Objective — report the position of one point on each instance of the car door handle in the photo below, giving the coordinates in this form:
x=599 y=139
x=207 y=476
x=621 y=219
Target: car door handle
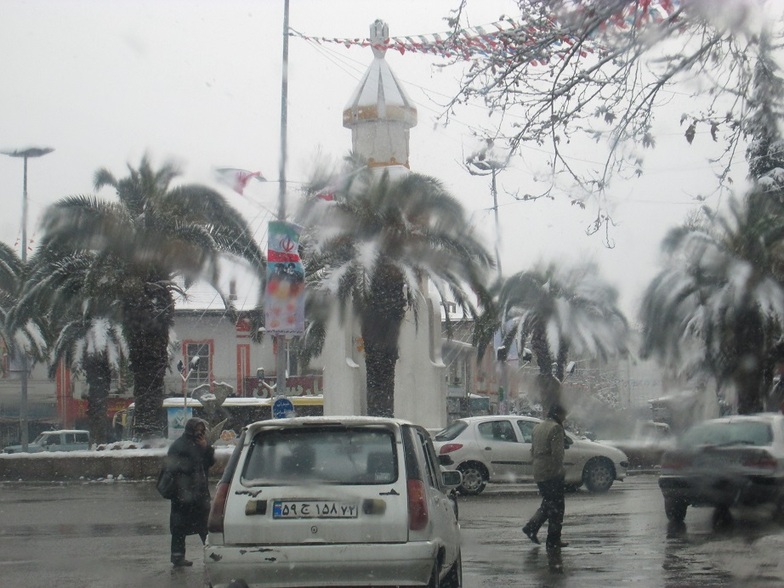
x=488 y=448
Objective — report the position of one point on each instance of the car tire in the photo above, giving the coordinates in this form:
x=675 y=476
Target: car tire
x=675 y=509
x=435 y=579
x=474 y=479
x=721 y=518
x=778 y=511
x=598 y=474
x=454 y=578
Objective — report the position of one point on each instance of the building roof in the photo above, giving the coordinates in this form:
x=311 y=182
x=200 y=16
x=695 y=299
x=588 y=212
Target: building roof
x=379 y=95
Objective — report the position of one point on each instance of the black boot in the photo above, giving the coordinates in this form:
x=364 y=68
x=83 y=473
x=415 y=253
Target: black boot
x=530 y=533
x=179 y=561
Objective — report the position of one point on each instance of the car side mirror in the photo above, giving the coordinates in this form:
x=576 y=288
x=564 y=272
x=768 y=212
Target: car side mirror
x=451 y=478
x=445 y=460
x=568 y=442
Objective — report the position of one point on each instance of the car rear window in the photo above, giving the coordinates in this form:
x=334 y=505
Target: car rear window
x=451 y=431
x=728 y=433
x=331 y=455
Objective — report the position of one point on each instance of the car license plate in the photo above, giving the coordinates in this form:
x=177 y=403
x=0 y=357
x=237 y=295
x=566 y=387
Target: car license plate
x=313 y=509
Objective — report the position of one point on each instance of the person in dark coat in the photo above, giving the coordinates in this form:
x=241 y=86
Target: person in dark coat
x=547 y=449
x=189 y=458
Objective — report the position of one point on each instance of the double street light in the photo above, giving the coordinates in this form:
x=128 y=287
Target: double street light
x=25 y=154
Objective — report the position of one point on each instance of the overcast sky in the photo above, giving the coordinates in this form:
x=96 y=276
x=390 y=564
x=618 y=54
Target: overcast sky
x=198 y=81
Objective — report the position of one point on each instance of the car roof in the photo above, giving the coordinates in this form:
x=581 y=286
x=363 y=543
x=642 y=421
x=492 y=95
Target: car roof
x=767 y=417
x=493 y=417
x=63 y=431
x=315 y=421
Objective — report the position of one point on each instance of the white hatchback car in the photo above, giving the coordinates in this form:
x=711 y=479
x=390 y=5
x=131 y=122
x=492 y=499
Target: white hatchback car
x=497 y=448
x=334 y=501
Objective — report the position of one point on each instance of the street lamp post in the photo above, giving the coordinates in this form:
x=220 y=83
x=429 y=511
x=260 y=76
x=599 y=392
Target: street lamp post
x=25 y=154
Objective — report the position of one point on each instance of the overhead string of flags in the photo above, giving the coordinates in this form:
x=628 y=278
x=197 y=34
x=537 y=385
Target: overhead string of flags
x=510 y=36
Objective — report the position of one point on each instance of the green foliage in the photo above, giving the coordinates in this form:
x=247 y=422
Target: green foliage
x=556 y=311
x=119 y=263
x=717 y=306
x=374 y=249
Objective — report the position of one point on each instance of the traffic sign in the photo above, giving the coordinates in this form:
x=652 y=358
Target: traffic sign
x=282 y=407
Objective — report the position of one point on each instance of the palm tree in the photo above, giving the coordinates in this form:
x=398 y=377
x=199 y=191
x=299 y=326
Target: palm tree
x=557 y=311
x=70 y=289
x=21 y=337
x=18 y=333
x=721 y=288
x=375 y=247
x=151 y=236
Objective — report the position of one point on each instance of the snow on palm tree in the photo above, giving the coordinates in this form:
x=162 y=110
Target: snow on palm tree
x=153 y=234
x=73 y=292
x=717 y=306
x=376 y=247
x=557 y=311
x=19 y=333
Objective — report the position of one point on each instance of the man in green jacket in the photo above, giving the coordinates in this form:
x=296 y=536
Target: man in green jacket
x=547 y=449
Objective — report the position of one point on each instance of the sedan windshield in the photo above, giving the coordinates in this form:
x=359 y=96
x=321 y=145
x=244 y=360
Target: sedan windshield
x=728 y=433
x=358 y=455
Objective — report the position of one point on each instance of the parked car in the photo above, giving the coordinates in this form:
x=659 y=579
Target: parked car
x=498 y=449
x=64 y=440
x=725 y=462
x=331 y=501
x=646 y=444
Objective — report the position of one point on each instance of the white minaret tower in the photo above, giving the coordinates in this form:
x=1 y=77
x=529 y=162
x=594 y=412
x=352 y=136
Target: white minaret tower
x=380 y=114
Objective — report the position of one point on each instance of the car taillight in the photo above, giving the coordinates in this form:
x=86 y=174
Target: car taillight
x=675 y=461
x=417 y=505
x=218 y=509
x=450 y=447
x=760 y=460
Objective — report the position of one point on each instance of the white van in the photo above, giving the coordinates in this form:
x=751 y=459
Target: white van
x=334 y=501
x=63 y=440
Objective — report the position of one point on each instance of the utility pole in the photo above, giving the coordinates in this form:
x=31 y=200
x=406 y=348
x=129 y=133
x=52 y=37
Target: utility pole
x=25 y=154
x=282 y=355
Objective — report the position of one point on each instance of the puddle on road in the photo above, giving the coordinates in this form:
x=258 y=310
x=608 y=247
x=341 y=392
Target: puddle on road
x=87 y=531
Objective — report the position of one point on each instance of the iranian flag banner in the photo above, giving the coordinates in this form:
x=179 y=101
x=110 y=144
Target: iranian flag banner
x=284 y=296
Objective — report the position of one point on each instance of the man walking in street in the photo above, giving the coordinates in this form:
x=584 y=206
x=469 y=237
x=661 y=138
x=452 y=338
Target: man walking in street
x=189 y=458
x=547 y=449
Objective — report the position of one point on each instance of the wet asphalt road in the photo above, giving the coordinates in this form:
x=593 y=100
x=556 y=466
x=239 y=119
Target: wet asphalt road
x=115 y=534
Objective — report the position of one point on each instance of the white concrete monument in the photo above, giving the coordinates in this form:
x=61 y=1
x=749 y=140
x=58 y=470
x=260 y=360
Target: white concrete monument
x=380 y=114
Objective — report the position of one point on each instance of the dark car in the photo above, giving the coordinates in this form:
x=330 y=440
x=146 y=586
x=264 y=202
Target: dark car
x=725 y=462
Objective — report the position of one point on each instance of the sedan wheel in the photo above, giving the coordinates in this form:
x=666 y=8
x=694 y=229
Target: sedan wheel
x=473 y=479
x=675 y=509
x=598 y=475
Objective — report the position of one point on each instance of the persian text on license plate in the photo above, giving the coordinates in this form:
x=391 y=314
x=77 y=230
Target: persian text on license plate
x=313 y=509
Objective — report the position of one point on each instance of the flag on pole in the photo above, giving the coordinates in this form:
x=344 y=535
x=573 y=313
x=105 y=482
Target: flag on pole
x=237 y=178
x=284 y=296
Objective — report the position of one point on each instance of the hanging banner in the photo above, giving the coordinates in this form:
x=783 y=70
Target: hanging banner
x=284 y=296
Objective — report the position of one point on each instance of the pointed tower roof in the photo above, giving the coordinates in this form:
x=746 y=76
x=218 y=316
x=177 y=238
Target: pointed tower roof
x=379 y=96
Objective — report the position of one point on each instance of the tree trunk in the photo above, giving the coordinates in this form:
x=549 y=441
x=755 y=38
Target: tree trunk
x=98 y=373
x=547 y=386
x=748 y=377
x=381 y=320
x=380 y=364
x=146 y=329
x=549 y=391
